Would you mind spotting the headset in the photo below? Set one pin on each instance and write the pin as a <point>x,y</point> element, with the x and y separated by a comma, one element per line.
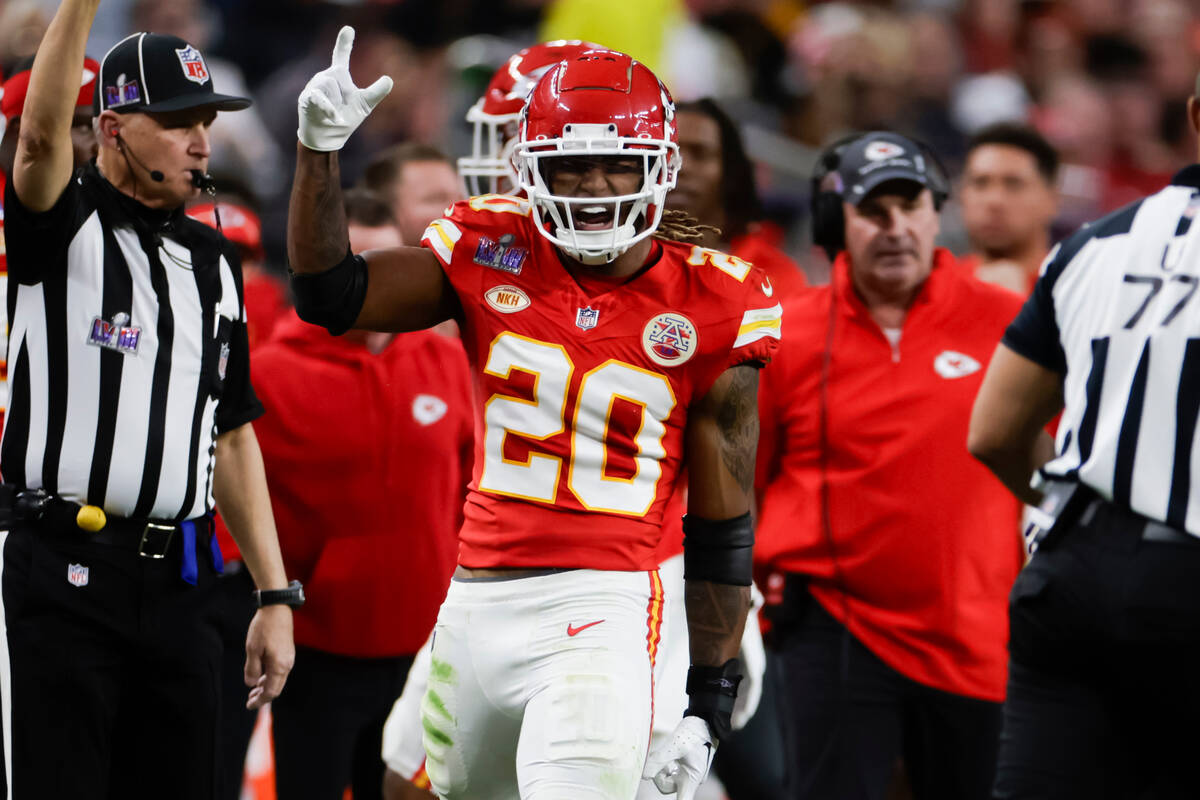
<point>828,219</point>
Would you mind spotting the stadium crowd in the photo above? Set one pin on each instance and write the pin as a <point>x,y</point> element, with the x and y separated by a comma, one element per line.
<point>1035,116</point>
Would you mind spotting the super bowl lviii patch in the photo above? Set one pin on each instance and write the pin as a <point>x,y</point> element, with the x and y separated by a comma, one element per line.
<point>116,335</point>
<point>669,339</point>
<point>501,254</point>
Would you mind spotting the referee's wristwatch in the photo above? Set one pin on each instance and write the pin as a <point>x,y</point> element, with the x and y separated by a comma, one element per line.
<point>292,596</point>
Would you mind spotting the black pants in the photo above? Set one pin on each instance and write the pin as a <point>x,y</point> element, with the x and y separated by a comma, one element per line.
<point>848,717</point>
<point>235,609</point>
<point>328,725</point>
<point>114,670</point>
<point>1103,692</point>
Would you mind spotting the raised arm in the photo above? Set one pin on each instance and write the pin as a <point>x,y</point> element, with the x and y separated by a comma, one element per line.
<point>399,289</point>
<point>44,159</point>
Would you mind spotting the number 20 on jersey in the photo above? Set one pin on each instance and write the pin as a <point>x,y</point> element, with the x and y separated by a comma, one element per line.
<point>547,415</point>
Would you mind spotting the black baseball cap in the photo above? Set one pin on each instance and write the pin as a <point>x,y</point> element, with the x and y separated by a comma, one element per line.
<point>878,157</point>
<point>153,72</point>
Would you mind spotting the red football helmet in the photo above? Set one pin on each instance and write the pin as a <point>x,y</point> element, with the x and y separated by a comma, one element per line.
<point>489,168</point>
<point>599,103</point>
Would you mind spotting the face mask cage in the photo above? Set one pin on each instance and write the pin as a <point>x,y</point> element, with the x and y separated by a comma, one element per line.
<point>556,216</point>
<point>489,169</point>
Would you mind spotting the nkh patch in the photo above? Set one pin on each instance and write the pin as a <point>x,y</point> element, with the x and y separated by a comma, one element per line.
<point>586,318</point>
<point>507,299</point>
<point>501,254</point>
<point>115,335</point>
<point>77,575</point>
<point>669,339</point>
<point>194,68</point>
<point>223,361</point>
<point>123,94</point>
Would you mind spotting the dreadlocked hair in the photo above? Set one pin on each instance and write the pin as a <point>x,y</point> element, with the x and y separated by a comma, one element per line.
<point>680,226</point>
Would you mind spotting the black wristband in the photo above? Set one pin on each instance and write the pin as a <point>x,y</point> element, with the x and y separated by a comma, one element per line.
<point>292,596</point>
<point>719,551</point>
<point>712,692</point>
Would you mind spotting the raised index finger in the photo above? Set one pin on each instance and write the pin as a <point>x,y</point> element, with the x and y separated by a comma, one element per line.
<point>343,46</point>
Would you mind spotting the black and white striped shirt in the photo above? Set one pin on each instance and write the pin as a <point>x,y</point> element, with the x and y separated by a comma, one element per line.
<point>1117,311</point>
<point>127,352</point>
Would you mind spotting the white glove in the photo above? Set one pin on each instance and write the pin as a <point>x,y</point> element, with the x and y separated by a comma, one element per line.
<point>331,106</point>
<point>753,659</point>
<point>681,765</point>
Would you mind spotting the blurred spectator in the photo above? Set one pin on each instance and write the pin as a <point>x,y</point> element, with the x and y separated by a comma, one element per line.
<point>716,186</point>
<point>367,442</point>
<point>240,142</point>
<point>22,25</point>
<point>1008,201</point>
<point>418,181</point>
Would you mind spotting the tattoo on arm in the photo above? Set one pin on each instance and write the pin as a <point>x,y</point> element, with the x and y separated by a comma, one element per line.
<point>737,420</point>
<point>716,614</point>
<point>317,234</point>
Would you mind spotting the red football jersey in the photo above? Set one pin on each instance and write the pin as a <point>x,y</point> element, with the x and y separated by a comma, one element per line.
<point>582,398</point>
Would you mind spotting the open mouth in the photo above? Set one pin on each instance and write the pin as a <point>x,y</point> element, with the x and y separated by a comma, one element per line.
<point>590,218</point>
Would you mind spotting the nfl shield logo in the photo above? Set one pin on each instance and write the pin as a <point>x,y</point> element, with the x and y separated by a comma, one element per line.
<point>587,318</point>
<point>77,574</point>
<point>194,68</point>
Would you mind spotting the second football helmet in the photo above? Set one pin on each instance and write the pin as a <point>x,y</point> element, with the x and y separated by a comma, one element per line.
<point>494,117</point>
<point>598,104</point>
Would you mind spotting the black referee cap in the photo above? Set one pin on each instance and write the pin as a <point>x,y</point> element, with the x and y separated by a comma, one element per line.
<point>153,72</point>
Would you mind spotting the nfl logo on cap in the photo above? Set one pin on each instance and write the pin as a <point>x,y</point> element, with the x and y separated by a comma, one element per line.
<point>194,68</point>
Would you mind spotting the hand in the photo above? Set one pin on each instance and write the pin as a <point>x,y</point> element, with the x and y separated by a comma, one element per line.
<point>331,106</point>
<point>270,654</point>
<point>681,765</point>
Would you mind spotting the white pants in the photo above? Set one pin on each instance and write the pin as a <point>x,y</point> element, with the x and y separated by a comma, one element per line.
<point>540,688</point>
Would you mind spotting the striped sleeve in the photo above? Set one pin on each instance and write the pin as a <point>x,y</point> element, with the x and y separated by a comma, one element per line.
<point>758,335</point>
<point>440,237</point>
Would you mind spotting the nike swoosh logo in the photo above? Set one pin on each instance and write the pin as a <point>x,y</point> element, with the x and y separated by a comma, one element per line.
<point>767,288</point>
<point>572,630</point>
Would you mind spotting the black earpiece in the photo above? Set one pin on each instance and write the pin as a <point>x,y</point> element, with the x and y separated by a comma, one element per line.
<point>828,221</point>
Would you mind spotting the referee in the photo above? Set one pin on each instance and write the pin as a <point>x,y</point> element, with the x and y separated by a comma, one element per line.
<point>130,405</point>
<point>1104,644</point>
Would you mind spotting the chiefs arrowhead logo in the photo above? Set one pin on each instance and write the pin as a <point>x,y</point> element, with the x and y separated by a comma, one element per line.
<point>428,409</point>
<point>951,364</point>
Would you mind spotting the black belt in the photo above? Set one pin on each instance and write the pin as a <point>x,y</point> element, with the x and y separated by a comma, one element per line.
<point>149,537</point>
<point>1100,511</point>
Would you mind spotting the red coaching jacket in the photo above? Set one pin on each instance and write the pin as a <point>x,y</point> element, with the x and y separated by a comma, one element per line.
<point>367,459</point>
<point>924,542</point>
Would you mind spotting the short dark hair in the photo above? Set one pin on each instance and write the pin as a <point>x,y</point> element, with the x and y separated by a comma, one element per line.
<point>366,208</point>
<point>385,167</point>
<point>739,194</point>
<point>1023,137</point>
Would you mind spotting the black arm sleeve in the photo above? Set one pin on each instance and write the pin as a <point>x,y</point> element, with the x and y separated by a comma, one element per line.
<point>334,298</point>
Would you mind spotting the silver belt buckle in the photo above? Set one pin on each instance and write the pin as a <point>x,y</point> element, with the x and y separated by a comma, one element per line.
<point>152,535</point>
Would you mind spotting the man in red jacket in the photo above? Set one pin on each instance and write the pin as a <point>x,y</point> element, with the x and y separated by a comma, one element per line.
<point>898,549</point>
<point>372,534</point>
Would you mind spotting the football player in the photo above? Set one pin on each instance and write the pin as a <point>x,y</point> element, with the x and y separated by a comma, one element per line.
<point>489,169</point>
<point>603,349</point>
